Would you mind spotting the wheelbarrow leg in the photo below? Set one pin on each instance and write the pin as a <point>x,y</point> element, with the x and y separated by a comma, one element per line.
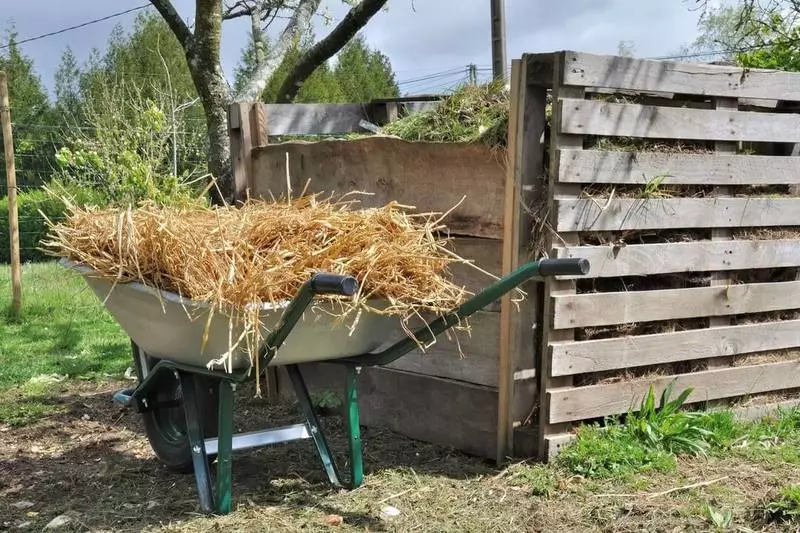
<point>225,448</point>
<point>353,428</point>
<point>303,398</point>
<point>194,431</point>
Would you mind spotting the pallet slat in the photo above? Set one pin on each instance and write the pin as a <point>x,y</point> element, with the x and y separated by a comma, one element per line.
<point>592,117</point>
<point>594,401</point>
<point>604,309</point>
<point>701,256</point>
<point>597,166</point>
<point>686,78</point>
<point>642,350</point>
<point>675,213</point>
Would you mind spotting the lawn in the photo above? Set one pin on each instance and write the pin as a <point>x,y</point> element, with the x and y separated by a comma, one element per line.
<point>67,451</point>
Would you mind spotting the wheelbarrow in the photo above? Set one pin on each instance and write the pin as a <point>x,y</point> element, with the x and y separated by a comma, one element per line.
<point>187,405</point>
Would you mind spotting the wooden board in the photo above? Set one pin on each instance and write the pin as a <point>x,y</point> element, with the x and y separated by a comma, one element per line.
<point>593,401</point>
<point>596,166</point>
<point>475,363</point>
<point>686,78</point>
<point>486,255</point>
<point>306,119</point>
<point>675,213</point>
<point>444,412</point>
<point>610,261</point>
<point>433,177</point>
<point>593,117</point>
<point>571,358</point>
<point>602,309</point>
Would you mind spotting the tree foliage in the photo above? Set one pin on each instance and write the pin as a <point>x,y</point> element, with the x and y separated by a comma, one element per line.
<point>31,115</point>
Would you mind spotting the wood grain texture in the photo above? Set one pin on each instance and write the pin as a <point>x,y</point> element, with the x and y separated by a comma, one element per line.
<point>430,409</point>
<point>433,177</point>
<point>686,78</point>
<point>477,360</point>
<point>675,213</point>
<point>309,119</point>
<point>602,309</point>
<point>579,403</point>
<point>700,256</point>
<point>642,350</point>
<point>593,117</point>
<point>596,166</point>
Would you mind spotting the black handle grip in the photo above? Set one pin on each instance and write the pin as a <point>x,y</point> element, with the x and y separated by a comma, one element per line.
<point>568,266</point>
<point>334,284</point>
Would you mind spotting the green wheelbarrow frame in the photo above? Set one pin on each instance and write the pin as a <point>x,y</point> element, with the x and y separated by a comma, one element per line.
<point>226,442</point>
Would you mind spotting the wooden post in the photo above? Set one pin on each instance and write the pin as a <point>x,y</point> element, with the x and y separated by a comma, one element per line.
<point>11,180</point>
<point>524,168</point>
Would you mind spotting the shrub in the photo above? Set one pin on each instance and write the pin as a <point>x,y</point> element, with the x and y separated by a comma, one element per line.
<point>32,226</point>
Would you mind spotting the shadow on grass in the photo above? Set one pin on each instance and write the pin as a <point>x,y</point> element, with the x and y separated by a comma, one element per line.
<point>92,459</point>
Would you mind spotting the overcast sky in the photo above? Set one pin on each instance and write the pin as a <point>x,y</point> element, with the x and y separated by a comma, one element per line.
<point>421,37</point>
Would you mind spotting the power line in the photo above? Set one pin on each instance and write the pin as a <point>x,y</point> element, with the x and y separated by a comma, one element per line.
<point>730,51</point>
<point>77,26</point>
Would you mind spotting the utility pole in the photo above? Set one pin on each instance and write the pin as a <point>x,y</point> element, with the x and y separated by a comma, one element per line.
<point>498,39</point>
<point>472,73</point>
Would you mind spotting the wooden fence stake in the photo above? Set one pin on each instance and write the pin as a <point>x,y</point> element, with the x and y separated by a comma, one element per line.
<point>11,180</point>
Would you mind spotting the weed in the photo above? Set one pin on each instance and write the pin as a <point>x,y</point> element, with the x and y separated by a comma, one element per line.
<point>786,507</point>
<point>667,427</point>
<point>720,520</point>
<point>540,479</point>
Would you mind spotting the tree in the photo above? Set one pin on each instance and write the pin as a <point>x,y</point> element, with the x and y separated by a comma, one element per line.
<point>752,36</point>
<point>201,46</point>
<point>364,74</point>
<point>31,113</point>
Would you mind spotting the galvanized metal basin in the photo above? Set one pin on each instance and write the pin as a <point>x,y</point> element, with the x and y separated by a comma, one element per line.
<point>168,326</point>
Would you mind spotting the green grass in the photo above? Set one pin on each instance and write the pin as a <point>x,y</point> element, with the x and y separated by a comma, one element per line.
<point>63,330</point>
<point>786,507</point>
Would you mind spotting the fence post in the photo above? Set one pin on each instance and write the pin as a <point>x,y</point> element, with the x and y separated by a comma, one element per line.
<point>11,180</point>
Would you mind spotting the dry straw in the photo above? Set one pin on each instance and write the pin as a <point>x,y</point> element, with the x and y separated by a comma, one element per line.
<point>262,252</point>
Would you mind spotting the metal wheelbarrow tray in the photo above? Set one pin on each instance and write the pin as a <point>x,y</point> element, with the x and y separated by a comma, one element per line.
<point>187,408</point>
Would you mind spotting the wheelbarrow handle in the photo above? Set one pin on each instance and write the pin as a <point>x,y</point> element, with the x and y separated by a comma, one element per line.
<point>568,266</point>
<point>324,283</point>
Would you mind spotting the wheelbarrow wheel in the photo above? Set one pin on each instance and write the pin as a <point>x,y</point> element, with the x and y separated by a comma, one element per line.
<point>165,422</point>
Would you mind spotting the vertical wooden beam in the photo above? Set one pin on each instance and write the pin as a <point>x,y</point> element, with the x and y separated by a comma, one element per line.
<point>553,287</point>
<point>11,181</point>
<point>722,234</point>
<point>524,168</point>
<point>258,125</point>
<point>241,148</point>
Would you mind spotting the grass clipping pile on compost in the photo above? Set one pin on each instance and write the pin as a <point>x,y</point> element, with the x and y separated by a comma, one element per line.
<point>472,114</point>
<point>262,252</point>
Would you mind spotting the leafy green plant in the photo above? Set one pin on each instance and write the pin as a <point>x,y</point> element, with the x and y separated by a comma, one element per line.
<point>719,519</point>
<point>667,427</point>
<point>327,399</point>
<point>786,507</point>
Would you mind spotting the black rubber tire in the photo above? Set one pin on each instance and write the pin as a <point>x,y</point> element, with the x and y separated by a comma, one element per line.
<point>166,427</point>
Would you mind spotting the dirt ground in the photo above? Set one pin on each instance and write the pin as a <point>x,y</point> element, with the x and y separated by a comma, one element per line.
<point>91,463</point>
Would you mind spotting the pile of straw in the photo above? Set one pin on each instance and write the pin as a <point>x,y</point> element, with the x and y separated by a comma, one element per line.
<point>262,252</point>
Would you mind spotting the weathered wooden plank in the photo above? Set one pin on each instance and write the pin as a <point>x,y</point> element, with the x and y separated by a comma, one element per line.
<point>441,411</point>
<point>593,401</point>
<point>675,213</point>
<point>593,117</point>
<point>433,177</point>
<point>632,351</point>
<point>476,362</point>
<point>485,254</point>
<point>552,287</point>
<point>686,78</point>
<point>610,261</point>
<point>596,166</point>
<point>606,308</point>
<point>311,119</point>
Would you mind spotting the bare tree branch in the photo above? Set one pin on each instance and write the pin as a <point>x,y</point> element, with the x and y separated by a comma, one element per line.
<point>174,21</point>
<point>355,19</point>
<point>298,22</point>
